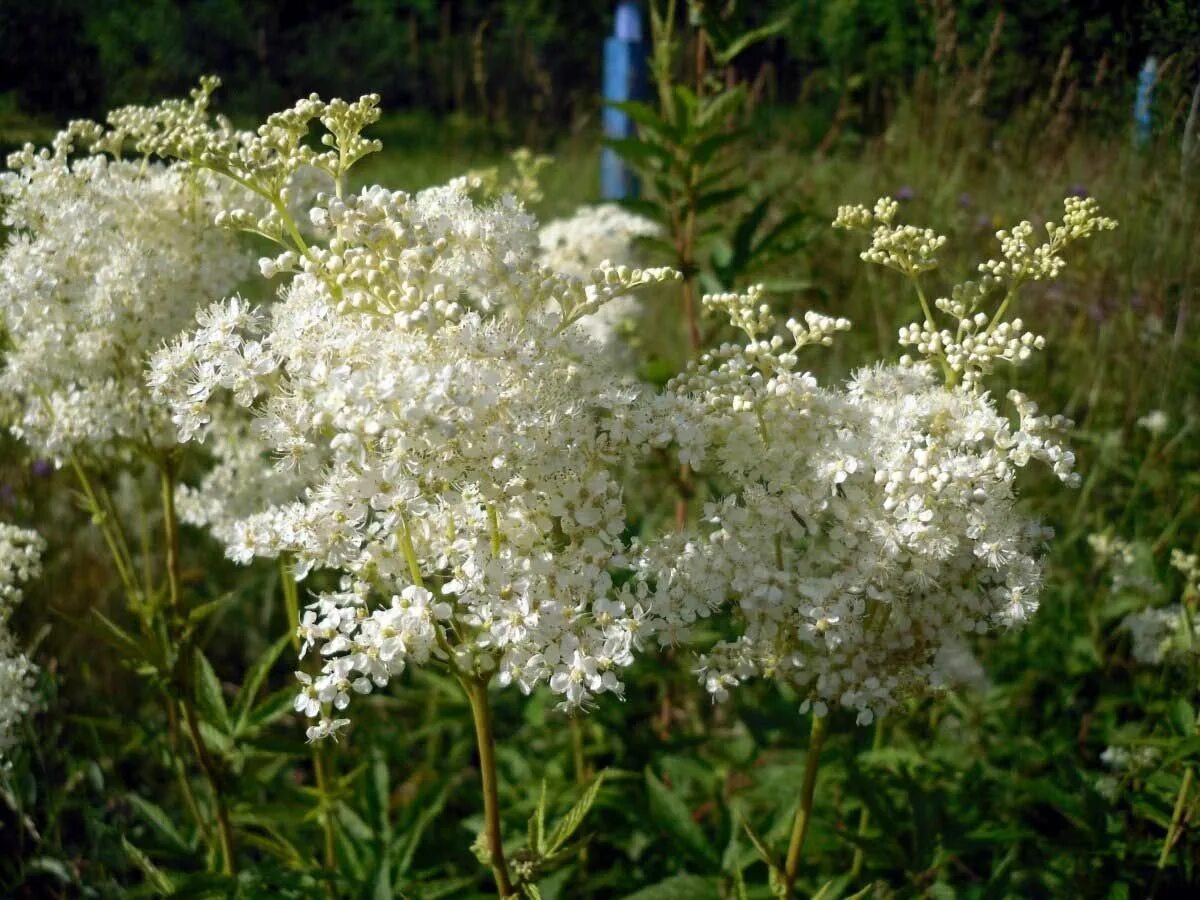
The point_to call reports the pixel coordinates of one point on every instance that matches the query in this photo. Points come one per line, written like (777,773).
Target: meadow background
(971,115)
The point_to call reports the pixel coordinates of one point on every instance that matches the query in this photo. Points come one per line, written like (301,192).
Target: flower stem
(804,813)
(224,830)
(186,662)
(477,694)
(864,815)
(320,761)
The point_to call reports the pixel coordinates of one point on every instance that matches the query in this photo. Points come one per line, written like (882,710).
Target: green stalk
(291,602)
(864,815)
(186,658)
(477,694)
(804,814)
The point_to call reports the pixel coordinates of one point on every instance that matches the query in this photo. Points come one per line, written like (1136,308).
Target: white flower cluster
(595,235)
(861,533)
(105,259)
(449,439)
(20,560)
(975,340)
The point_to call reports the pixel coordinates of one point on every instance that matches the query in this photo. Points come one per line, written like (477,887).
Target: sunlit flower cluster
(105,259)
(862,531)
(449,439)
(20,560)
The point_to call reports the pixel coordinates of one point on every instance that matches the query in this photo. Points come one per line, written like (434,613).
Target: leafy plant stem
(186,661)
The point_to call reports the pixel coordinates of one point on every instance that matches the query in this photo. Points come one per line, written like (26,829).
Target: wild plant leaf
(210,701)
(569,824)
(727,50)
(160,822)
(537,825)
(669,810)
(154,876)
(253,681)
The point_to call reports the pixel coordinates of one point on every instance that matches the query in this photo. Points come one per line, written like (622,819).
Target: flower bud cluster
(969,347)
(20,560)
(905,248)
(594,236)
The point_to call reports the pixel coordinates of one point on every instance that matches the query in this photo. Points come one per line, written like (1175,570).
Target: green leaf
(679,887)
(253,683)
(274,707)
(702,153)
(719,106)
(154,876)
(713,199)
(415,830)
(731,51)
(537,825)
(570,823)
(160,822)
(197,614)
(209,701)
(117,636)
(672,813)
(645,116)
(764,852)
(1182,717)
(640,153)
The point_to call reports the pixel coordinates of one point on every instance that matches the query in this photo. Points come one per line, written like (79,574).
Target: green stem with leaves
(167,465)
(812,760)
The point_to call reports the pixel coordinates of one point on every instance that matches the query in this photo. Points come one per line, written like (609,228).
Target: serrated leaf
(158,820)
(570,823)
(117,636)
(672,813)
(764,852)
(209,701)
(255,677)
(154,875)
(537,825)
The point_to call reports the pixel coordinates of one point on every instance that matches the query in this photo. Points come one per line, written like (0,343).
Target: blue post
(624,79)
(1141,103)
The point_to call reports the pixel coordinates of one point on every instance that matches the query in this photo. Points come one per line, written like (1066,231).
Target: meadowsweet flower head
(447,438)
(105,259)
(861,532)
